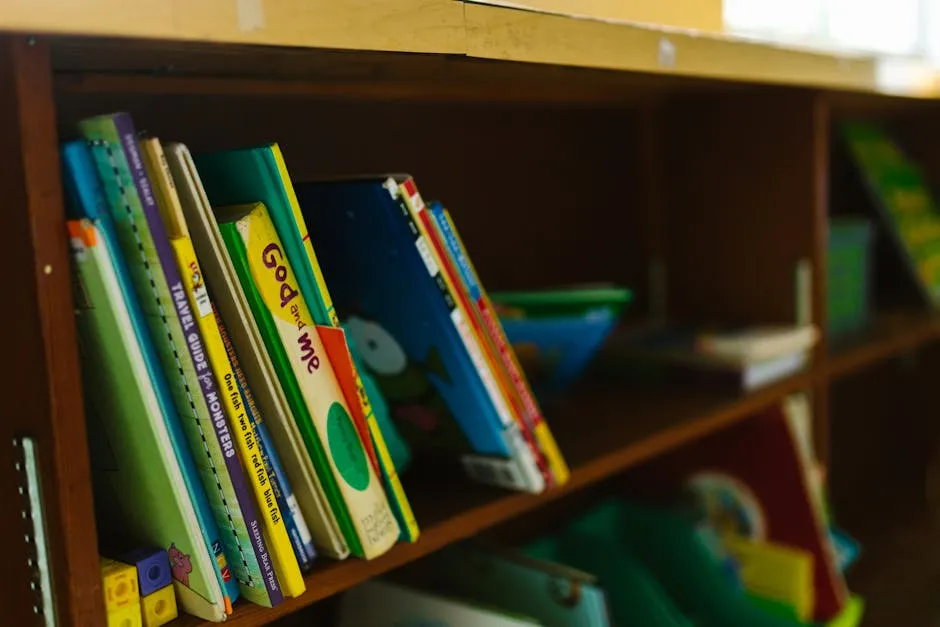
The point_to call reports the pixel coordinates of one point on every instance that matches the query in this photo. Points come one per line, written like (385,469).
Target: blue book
(394,303)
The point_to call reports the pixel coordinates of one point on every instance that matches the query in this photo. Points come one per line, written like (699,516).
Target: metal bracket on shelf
(28,481)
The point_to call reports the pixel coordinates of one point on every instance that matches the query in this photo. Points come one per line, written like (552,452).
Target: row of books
(258,360)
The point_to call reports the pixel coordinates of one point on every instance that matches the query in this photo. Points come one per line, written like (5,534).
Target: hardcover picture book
(139,486)
(388,291)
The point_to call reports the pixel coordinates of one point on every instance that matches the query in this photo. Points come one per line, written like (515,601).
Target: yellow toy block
(159,607)
(126,616)
(120,584)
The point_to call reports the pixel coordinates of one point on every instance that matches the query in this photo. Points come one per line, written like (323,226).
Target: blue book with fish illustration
(389,294)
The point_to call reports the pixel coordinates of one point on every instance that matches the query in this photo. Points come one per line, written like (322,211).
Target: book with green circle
(310,383)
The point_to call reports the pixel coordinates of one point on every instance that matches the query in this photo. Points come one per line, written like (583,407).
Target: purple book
(245,563)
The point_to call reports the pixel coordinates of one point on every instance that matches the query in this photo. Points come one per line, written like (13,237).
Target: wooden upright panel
(745,194)
(41,382)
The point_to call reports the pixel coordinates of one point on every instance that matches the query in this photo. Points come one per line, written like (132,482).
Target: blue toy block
(153,569)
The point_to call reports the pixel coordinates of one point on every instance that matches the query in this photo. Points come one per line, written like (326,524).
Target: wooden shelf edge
(339,576)
(451,27)
(892,335)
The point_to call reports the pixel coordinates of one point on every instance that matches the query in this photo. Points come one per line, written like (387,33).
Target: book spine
(484,338)
(127,136)
(374,524)
(394,489)
(536,421)
(226,410)
(488,469)
(297,528)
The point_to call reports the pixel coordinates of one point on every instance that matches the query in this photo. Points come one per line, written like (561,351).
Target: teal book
(146,250)
(139,483)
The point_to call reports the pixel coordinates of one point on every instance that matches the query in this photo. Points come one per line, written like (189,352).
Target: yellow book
(275,531)
(406,516)
(310,382)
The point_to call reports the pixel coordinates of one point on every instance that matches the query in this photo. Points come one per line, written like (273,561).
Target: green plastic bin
(849,275)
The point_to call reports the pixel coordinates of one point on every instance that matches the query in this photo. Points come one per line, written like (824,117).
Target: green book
(140,489)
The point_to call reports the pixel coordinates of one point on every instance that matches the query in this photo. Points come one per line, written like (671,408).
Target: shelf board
(892,334)
(603,431)
(451,27)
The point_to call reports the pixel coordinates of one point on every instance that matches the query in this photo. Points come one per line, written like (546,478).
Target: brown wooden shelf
(899,567)
(603,430)
(892,334)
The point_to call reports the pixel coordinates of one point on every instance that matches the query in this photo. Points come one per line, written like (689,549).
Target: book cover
(479,345)
(140,489)
(395,306)
(266,389)
(158,287)
(260,174)
(297,528)
(308,378)
(487,314)
(244,544)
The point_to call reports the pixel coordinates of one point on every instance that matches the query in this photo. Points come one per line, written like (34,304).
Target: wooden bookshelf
(603,159)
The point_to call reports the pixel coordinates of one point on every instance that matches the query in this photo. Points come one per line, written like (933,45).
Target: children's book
(140,488)
(225,401)
(486,313)
(499,387)
(159,289)
(389,292)
(230,300)
(260,174)
(381,604)
(297,528)
(310,383)
(552,593)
